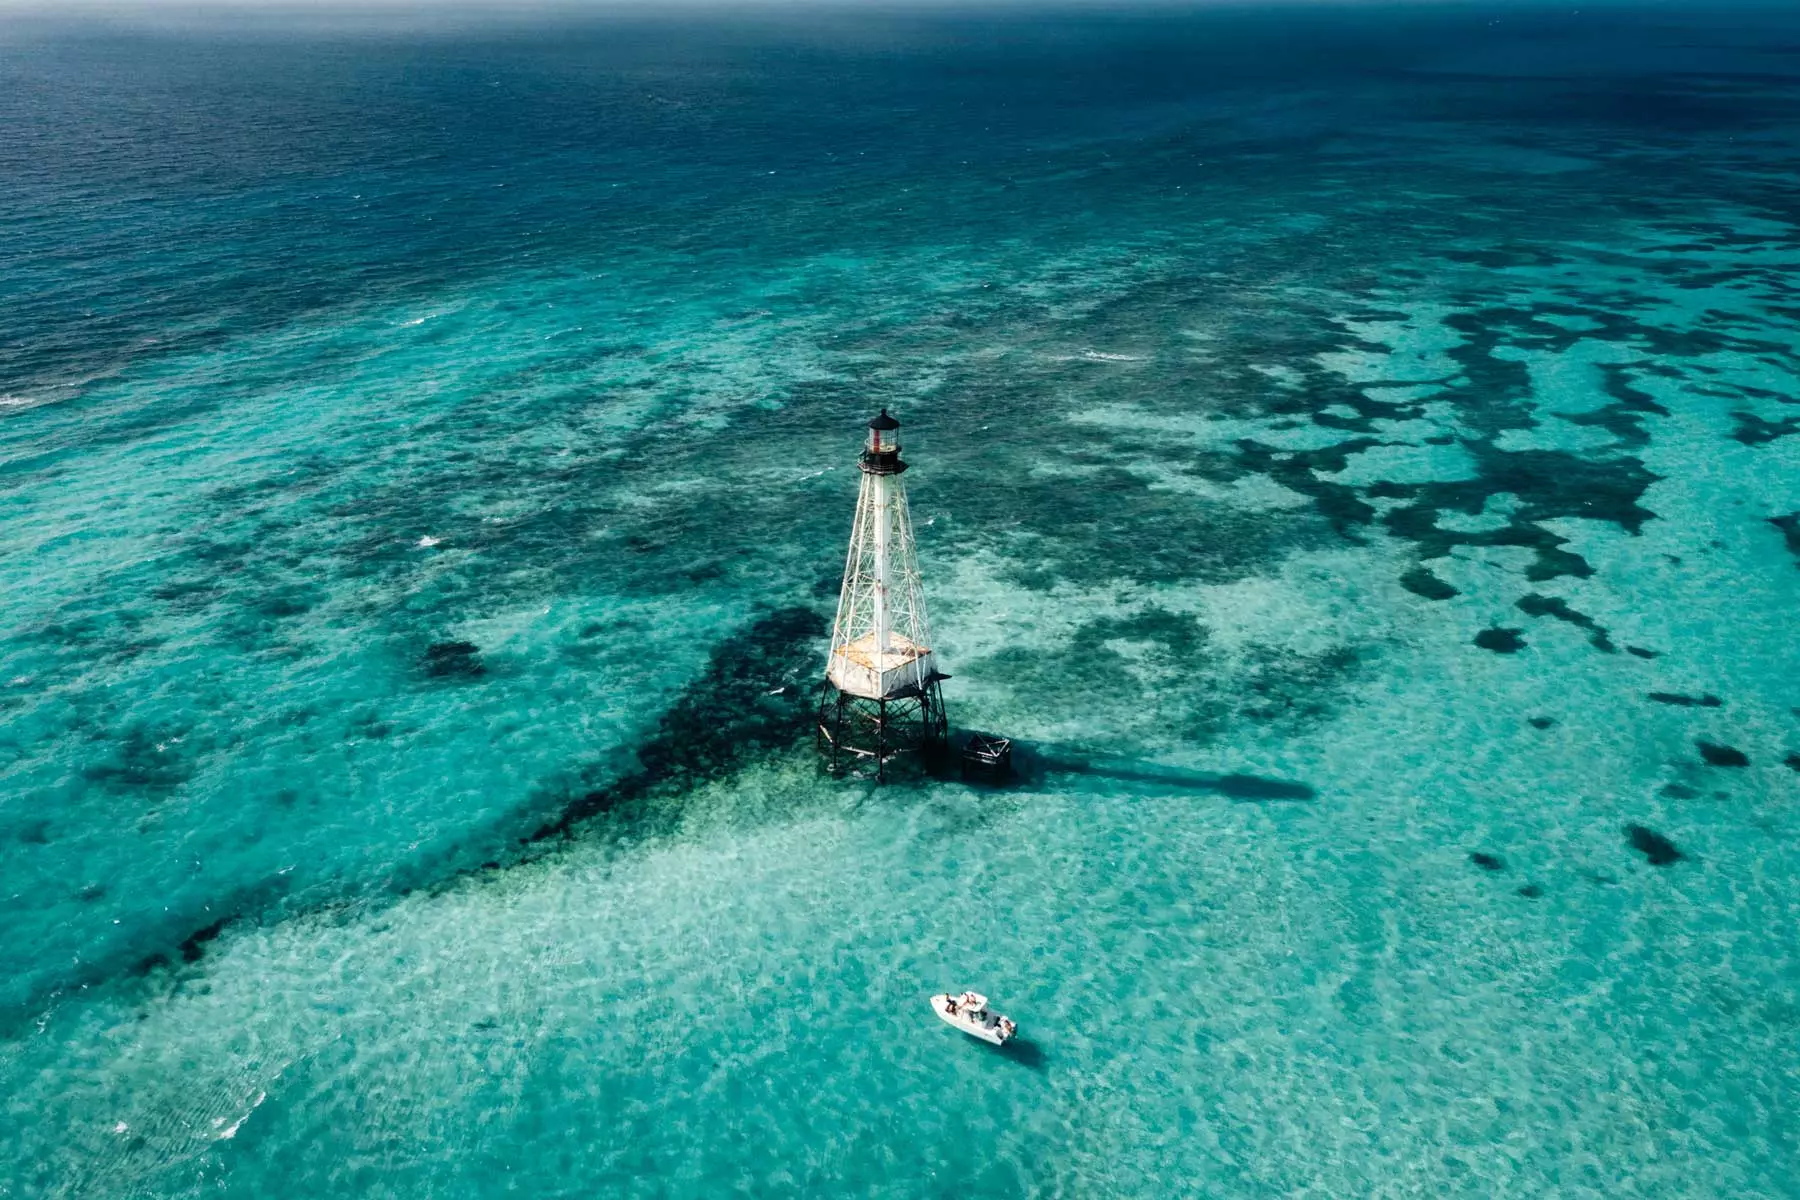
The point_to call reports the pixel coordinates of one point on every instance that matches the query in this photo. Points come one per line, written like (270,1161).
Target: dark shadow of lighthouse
(881,698)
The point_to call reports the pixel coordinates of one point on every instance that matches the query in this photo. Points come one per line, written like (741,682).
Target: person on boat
(950,1006)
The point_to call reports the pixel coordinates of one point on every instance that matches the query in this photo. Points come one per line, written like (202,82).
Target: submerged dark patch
(1656,848)
(1790,532)
(453,659)
(1641,652)
(1421,582)
(1624,416)
(142,760)
(1531,891)
(1486,861)
(1298,470)
(1752,430)
(1285,686)
(1501,640)
(1541,722)
(1181,634)
(1792,761)
(194,945)
(1111,524)
(1535,605)
(367,724)
(283,602)
(1680,701)
(1549,485)
(1717,755)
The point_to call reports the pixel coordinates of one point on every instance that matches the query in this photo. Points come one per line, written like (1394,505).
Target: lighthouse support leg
(881,743)
(851,728)
(830,736)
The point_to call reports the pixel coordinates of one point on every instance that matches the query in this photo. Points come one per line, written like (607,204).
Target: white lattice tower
(881,653)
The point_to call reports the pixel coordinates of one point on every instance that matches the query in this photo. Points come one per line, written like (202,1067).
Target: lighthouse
(881,696)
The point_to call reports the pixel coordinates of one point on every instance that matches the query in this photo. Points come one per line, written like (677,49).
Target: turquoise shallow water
(1354,453)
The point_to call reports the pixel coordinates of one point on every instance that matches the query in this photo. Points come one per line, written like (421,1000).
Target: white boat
(969,1012)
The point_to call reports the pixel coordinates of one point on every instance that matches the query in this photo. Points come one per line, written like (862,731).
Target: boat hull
(974,1028)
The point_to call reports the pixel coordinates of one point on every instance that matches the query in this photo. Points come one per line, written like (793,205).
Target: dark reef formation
(1535,605)
(1790,532)
(1501,640)
(449,660)
(1421,582)
(1658,850)
(1717,755)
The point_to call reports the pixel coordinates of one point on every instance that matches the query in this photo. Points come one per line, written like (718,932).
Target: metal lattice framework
(881,695)
(881,609)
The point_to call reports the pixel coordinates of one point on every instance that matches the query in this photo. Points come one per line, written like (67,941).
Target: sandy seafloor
(1356,454)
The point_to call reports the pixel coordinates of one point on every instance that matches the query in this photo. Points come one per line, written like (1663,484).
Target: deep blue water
(1354,452)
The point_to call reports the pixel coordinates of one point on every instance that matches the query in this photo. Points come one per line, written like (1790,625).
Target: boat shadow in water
(1023,1051)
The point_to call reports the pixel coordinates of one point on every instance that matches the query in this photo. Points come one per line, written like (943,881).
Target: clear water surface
(1357,453)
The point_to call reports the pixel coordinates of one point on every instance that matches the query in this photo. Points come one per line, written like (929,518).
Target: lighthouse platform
(859,669)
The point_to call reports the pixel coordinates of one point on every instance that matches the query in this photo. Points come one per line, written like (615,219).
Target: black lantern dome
(882,455)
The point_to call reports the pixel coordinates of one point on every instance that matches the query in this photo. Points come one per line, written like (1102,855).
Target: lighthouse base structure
(871,730)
